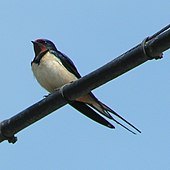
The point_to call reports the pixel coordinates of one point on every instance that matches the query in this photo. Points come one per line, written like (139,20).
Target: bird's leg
(47,95)
(59,88)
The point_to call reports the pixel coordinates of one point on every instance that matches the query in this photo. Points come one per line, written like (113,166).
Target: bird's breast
(51,73)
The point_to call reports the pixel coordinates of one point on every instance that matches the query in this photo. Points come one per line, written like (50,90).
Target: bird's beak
(33,42)
(37,47)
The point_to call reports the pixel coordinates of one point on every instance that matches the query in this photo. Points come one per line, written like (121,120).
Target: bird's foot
(47,95)
(61,88)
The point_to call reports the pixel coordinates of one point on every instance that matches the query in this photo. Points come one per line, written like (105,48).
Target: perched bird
(53,69)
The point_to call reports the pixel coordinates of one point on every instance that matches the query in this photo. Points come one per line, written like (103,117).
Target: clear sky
(91,33)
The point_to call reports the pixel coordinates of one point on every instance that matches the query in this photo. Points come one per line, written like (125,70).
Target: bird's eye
(43,42)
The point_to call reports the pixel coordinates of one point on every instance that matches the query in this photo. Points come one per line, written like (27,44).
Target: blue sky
(91,33)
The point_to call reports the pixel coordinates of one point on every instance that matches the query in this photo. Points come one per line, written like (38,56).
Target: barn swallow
(53,70)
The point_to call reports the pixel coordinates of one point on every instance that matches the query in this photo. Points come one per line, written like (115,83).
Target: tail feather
(120,117)
(100,109)
(103,109)
(86,110)
(97,105)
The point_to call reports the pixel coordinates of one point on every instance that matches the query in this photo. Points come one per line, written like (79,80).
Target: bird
(53,70)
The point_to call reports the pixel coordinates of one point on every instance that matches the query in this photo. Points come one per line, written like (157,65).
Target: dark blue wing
(66,61)
(87,111)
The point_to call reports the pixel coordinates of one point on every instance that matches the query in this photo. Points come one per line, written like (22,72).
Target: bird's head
(42,45)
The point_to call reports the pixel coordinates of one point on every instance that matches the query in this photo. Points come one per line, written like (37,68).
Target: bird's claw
(47,95)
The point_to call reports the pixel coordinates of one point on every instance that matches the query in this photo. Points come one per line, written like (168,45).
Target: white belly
(51,74)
